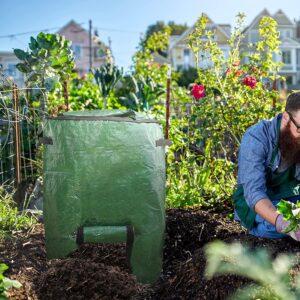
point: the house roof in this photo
(95, 38)
(183, 36)
(256, 20)
(288, 42)
(70, 23)
(282, 18)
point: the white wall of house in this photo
(8, 62)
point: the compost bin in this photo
(104, 182)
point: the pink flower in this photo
(198, 91)
(250, 81)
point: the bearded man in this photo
(268, 171)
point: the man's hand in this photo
(281, 225)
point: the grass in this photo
(12, 220)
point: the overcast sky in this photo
(121, 20)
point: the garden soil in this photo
(102, 272)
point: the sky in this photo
(121, 21)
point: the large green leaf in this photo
(24, 68)
(33, 45)
(20, 54)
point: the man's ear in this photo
(285, 116)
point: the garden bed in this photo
(101, 271)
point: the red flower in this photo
(250, 81)
(198, 91)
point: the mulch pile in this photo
(102, 272)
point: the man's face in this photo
(290, 138)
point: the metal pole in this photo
(90, 44)
(168, 102)
(17, 137)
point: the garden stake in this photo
(168, 102)
(17, 139)
(66, 95)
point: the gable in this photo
(221, 35)
(255, 23)
(282, 19)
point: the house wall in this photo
(8, 63)
(80, 46)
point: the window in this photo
(76, 48)
(254, 37)
(186, 57)
(286, 57)
(289, 79)
(286, 33)
(11, 70)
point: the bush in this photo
(229, 98)
(11, 219)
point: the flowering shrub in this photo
(198, 91)
(203, 158)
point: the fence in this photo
(20, 125)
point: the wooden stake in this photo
(17, 137)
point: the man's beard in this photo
(289, 145)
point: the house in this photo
(8, 62)
(289, 47)
(181, 57)
(97, 52)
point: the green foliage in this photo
(145, 94)
(272, 279)
(218, 121)
(6, 283)
(175, 29)
(107, 76)
(48, 62)
(84, 94)
(187, 76)
(143, 59)
(10, 218)
(290, 212)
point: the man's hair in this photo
(293, 102)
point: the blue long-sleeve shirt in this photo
(255, 156)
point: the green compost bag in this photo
(105, 170)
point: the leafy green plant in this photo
(290, 212)
(6, 283)
(49, 62)
(271, 278)
(11, 219)
(107, 76)
(146, 93)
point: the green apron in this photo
(279, 186)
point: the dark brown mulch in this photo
(102, 272)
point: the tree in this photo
(175, 29)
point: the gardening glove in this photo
(282, 224)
